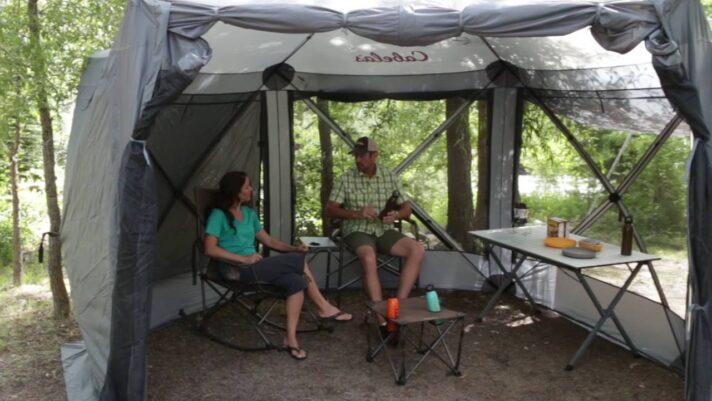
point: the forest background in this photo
(44, 46)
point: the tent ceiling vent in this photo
(501, 73)
(278, 76)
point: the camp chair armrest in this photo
(413, 225)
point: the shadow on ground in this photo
(513, 355)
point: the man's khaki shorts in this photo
(382, 244)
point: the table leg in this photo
(604, 316)
(517, 279)
(328, 273)
(339, 275)
(493, 300)
(452, 363)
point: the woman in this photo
(230, 235)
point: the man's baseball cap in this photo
(363, 145)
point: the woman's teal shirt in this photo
(239, 239)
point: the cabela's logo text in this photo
(373, 57)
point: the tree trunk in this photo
(327, 167)
(460, 213)
(483, 155)
(16, 239)
(39, 69)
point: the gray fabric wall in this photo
(100, 137)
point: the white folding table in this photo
(528, 243)
(325, 245)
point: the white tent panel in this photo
(452, 270)
(578, 50)
(253, 52)
(339, 52)
(176, 293)
(443, 269)
(344, 53)
(644, 320)
(617, 80)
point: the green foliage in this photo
(657, 199)
(71, 30)
(398, 127)
(707, 6)
(545, 205)
(6, 243)
(32, 273)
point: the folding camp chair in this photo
(386, 263)
(258, 304)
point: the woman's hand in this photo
(301, 248)
(252, 259)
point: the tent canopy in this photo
(188, 82)
(572, 72)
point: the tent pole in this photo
(575, 143)
(226, 127)
(432, 137)
(434, 227)
(635, 172)
(327, 119)
(240, 111)
(615, 196)
(653, 149)
(419, 212)
(176, 192)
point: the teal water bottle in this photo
(431, 296)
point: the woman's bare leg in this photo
(313, 292)
(294, 304)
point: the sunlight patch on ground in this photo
(15, 302)
(522, 320)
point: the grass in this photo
(32, 273)
(30, 340)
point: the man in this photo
(357, 200)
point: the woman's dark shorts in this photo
(285, 270)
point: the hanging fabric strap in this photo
(40, 251)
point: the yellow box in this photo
(556, 227)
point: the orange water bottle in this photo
(392, 312)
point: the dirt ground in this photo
(512, 355)
(30, 365)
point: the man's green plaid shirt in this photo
(355, 191)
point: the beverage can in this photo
(392, 312)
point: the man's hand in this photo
(252, 259)
(390, 217)
(369, 212)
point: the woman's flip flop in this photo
(294, 352)
(335, 317)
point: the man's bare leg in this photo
(371, 282)
(414, 253)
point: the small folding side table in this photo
(325, 245)
(411, 335)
